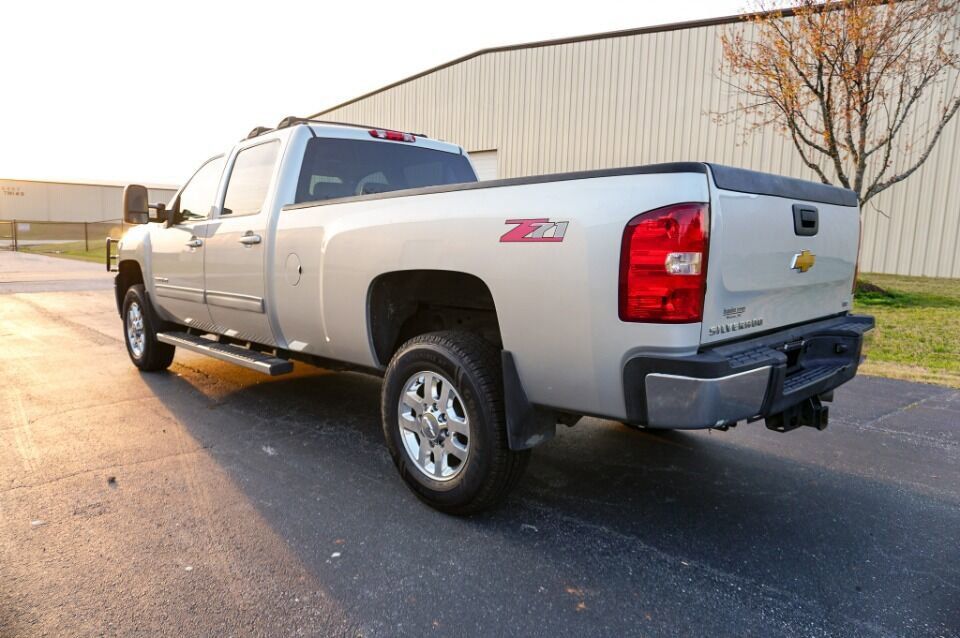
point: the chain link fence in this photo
(83, 240)
(6, 236)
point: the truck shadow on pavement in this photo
(680, 533)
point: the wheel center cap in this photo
(430, 426)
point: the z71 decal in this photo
(535, 230)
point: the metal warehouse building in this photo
(639, 97)
(39, 201)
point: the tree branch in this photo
(879, 187)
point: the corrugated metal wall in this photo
(647, 98)
(64, 202)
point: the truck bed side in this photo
(556, 301)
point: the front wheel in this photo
(140, 334)
(444, 423)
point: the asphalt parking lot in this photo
(210, 500)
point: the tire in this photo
(146, 353)
(469, 368)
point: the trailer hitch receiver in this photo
(810, 412)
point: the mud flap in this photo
(527, 425)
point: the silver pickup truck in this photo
(684, 295)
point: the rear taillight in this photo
(393, 136)
(663, 265)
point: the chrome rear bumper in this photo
(745, 379)
(676, 401)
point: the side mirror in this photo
(136, 204)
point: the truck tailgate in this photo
(782, 252)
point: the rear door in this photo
(782, 252)
(177, 250)
(237, 246)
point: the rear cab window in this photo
(334, 168)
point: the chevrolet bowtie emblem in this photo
(803, 261)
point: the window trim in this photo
(233, 163)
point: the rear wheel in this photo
(444, 423)
(140, 334)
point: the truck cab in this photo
(209, 256)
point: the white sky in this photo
(145, 91)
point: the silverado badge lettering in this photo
(541, 229)
(734, 326)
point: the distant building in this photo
(644, 96)
(30, 200)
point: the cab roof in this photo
(324, 128)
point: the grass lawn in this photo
(918, 328)
(70, 250)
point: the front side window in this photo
(334, 167)
(197, 197)
(250, 179)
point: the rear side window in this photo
(250, 179)
(335, 168)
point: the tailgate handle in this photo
(806, 220)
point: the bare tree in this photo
(847, 82)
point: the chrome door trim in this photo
(184, 293)
(235, 301)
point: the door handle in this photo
(195, 242)
(249, 239)
(806, 220)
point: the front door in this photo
(237, 245)
(177, 250)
